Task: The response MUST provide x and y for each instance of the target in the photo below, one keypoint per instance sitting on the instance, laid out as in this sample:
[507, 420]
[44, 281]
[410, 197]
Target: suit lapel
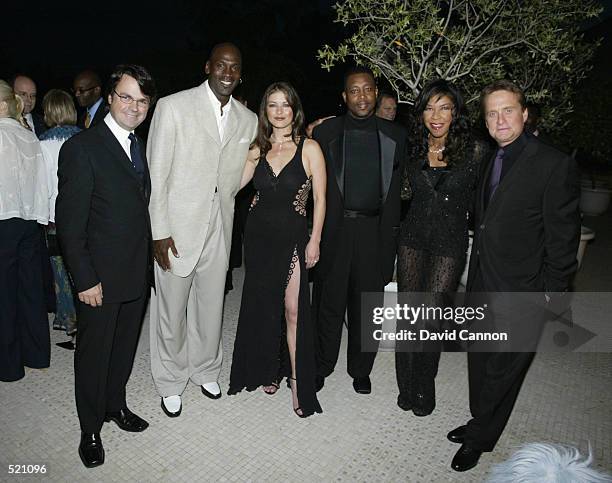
[232, 123]
[337, 154]
[206, 115]
[387, 157]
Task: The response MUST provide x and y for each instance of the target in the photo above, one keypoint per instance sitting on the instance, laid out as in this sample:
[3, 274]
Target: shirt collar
[94, 106]
[216, 103]
[120, 133]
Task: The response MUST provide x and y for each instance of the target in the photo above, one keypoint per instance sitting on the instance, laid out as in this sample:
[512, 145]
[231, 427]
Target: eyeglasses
[79, 90]
[129, 100]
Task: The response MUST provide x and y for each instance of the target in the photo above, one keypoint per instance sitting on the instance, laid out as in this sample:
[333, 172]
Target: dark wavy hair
[459, 139]
[264, 128]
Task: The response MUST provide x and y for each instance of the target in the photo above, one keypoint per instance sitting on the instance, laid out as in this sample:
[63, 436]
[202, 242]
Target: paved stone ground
[255, 437]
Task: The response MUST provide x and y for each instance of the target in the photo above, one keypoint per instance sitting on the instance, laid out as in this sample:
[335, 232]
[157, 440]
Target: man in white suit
[197, 149]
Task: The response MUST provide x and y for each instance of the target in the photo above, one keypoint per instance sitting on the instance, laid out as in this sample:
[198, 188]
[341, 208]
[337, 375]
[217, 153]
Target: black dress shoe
[91, 450]
[457, 435]
[127, 420]
[210, 394]
[319, 383]
[362, 385]
[423, 404]
[404, 403]
[466, 458]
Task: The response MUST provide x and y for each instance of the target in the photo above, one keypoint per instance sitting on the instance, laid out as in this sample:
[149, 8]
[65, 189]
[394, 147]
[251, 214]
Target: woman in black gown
[440, 180]
[275, 336]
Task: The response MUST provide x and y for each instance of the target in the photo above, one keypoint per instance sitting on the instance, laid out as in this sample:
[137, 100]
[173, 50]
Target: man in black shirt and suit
[104, 232]
[527, 229]
[364, 156]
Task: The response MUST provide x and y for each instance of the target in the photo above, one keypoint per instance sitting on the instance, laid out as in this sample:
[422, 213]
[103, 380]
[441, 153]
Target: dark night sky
[52, 41]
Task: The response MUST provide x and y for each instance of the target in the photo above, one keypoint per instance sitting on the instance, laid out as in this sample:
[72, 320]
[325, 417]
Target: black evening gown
[431, 257]
[275, 239]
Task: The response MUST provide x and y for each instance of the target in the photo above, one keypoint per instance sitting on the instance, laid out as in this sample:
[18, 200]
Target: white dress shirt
[120, 133]
[24, 191]
[221, 112]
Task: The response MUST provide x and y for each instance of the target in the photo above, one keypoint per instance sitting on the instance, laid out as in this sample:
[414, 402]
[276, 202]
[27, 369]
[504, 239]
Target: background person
[60, 117]
[24, 206]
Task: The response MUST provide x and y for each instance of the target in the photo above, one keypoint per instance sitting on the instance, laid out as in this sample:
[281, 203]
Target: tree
[536, 43]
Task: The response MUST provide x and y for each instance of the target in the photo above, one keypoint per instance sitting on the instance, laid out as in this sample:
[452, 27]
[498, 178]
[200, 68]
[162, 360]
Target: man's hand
[160, 252]
[92, 296]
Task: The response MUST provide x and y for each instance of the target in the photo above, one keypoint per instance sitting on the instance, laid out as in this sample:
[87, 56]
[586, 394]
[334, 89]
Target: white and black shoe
[172, 406]
[211, 390]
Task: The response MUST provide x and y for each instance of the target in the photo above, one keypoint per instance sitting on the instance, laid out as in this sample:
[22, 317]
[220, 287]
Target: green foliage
[536, 43]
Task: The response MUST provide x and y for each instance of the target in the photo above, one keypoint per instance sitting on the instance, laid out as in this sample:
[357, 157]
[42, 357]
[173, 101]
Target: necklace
[280, 144]
[437, 151]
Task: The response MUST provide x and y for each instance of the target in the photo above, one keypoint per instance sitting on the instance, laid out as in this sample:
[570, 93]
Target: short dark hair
[357, 69]
[139, 74]
[384, 94]
[502, 85]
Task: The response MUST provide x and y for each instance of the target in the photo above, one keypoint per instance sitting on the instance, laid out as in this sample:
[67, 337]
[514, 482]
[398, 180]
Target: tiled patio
[255, 437]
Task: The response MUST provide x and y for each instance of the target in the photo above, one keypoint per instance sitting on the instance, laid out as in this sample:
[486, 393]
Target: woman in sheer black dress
[439, 181]
[275, 336]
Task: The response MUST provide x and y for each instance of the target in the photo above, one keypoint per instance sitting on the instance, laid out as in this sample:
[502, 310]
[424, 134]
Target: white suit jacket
[188, 161]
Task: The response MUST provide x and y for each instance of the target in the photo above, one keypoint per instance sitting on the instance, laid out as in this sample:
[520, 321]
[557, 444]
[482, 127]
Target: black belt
[361, 213]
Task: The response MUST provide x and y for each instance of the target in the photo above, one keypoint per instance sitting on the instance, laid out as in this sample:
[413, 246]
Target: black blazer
[98, 116]
[393, 148]
[527, 238]
[102, 216]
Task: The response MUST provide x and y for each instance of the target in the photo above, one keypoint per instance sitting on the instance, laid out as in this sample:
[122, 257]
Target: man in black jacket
[105, 235]
[527, 229]
[364, 156]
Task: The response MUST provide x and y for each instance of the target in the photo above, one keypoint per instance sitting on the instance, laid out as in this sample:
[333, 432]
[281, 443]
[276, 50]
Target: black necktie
[137, 162]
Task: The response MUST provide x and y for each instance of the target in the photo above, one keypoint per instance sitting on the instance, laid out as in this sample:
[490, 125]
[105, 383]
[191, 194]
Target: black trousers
[356, 269]
[106, 344]
[24, 327]
[495, 379]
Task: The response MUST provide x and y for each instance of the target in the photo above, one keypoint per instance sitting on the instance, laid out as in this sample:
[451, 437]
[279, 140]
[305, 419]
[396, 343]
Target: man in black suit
[105, 235]
[527, 229]
[87, 88]
[364, 155]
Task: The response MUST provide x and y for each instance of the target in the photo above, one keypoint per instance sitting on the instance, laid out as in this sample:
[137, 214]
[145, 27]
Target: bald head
[25, 88]
[87, 88]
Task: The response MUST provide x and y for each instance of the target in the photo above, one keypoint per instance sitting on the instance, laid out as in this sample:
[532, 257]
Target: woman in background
[60, 118]
[24, 204]
[440, 180]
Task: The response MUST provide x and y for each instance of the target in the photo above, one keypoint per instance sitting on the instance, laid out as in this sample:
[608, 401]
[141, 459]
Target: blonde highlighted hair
[59, 108]
[13, 101]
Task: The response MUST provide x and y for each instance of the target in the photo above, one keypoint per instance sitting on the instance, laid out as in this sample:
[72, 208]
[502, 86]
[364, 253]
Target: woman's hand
[312, 253]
